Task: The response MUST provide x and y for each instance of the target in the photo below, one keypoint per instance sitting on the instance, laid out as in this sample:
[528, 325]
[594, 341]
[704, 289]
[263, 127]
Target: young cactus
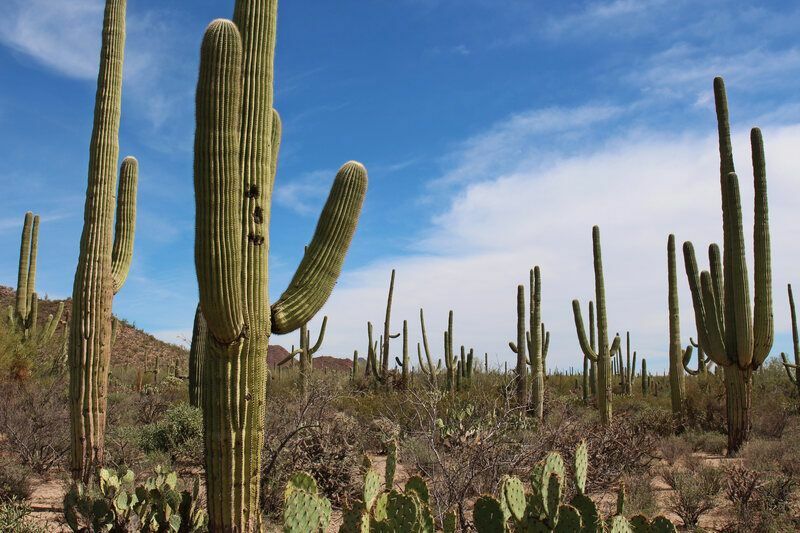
[736, 335]
[105, 255]
[793, 370]
[237, 139]
[601, 356]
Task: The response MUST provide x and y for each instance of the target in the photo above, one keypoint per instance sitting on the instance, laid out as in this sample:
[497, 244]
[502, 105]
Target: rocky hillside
[137, 348]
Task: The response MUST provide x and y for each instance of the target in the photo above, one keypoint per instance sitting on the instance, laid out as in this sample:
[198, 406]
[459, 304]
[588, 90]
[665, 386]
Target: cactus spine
[105, 255]
[236, 147]
[676, 353]
[736, 335]
[601, 356]
[197, 355]
[794, 378]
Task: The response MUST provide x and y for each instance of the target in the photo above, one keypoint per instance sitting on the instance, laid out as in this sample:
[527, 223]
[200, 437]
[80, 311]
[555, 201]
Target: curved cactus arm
[687, 358]
[545, 342]
[789, 367]
[218, 188]
[290, 356]
[763, 326]
[740, 291]
[513, 346]
[586, 347]
[318, 271]
[419, 359]
[716, 340]
[398, 362]
[125, 226]
[317, 344]
[616, 344]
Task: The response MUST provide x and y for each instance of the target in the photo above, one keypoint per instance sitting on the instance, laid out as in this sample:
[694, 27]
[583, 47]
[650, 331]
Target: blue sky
[495, 134]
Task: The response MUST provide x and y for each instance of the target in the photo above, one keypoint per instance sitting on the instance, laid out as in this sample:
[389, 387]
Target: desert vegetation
[104, 428]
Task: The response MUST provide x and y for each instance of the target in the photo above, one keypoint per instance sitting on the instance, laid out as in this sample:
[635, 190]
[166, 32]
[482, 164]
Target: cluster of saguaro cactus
[793, 369]
[426, 365]
[305, 354]
[197, 356]
[626, 368]
[602, 354]
[236, 148]
[105, 254]
[702, 359]
[536, 340]
[545, 510]
[378, 351]
[736, 335]
[464, 368]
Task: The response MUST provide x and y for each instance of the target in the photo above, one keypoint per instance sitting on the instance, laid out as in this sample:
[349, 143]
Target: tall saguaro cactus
[602, 355]
[427, 366]
[736, 335]
[197, 358]
[537, 341]
[23, 314]
[105, 254]
[236, 148]
[521, 377]
[676, 353]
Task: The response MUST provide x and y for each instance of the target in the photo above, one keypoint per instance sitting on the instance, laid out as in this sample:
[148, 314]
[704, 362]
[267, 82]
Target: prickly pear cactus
[304, 509]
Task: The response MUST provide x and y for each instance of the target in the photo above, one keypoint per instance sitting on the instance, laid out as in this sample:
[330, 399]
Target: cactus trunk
[676, 378]
[197, 354]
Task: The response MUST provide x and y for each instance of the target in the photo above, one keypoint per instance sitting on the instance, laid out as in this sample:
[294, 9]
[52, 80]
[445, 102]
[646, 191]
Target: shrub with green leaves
[178, 433]
[14, 517]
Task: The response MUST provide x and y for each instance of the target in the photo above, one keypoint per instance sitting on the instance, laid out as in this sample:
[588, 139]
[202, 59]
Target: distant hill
[135, 347]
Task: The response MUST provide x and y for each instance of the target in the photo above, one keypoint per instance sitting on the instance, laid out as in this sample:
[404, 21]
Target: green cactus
[602, 355]
[793, 377]
[304, 509]
[236, 147]
[702, 360]
[537, 342]
[306, 355]
[427, 366]
[405, 366]
[677, 356]
[737, 336]
[519, 347]
[450, 362]
[585, 381]
[23, 314]
[197, 355]
[544, 509]
[354, 371]
[645, 378]
[105, 255]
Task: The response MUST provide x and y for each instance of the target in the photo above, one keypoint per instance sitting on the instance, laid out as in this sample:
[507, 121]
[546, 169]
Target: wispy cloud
[304, 194]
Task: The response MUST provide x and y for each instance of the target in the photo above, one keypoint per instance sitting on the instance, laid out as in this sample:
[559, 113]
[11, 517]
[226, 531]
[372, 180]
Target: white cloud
[638, 187]
[615, 17]
[304, 194]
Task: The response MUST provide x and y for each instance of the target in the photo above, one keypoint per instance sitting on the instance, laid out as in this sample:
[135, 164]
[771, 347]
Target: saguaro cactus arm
[316, 276]
[314, 349]
[587, 348]
[125, 227]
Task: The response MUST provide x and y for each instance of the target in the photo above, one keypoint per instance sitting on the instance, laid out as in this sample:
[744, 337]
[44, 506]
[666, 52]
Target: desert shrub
[761, 503]
[14, 517]
[14, 481]
[707, 441]
[123, 448]
[771, 415]
[178, 433]
[695, 489]
[772, 456]
[674, 449]
[640, 497]
[35, 421]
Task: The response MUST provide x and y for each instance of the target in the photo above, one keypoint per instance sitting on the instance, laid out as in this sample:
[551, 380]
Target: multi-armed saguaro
[536, 339]
[306, 354]
[105, 254]
[427, 366]
[24, 313]
[601, 356]
[736, 335]
[236, 148]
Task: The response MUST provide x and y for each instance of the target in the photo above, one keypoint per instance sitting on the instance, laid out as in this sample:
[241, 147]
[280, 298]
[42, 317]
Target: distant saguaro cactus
[601, 356]
[537, 341]
[197, 356]
[737, 336]
[236, 148]
[306, 354]
[24, 313]
[427, 366]
[794, 378]
[105, 255]
[676, 353]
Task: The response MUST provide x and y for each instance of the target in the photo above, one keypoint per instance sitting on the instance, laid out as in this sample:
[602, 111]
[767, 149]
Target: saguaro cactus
[645, 378]
[450, 362]
[306, 354]
[736, 335]
[702, 360]
[23, 314]
[793, 370]
[537, 340]
[405, 366]
[521, 377]
[236, 147]
[601, 356]
[105, 254]
[427, 366]
[197, 354]
[676, 353]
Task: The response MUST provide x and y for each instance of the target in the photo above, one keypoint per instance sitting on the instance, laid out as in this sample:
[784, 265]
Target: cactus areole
[237, 139]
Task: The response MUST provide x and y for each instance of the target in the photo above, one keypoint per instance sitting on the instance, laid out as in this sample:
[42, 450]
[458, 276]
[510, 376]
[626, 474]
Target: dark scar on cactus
[252, 191]
[257, 240]
[258, 215]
